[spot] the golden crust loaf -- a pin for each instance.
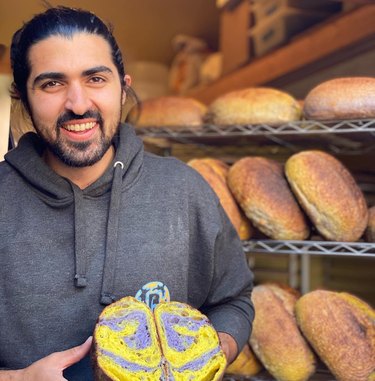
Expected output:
(329, 195)
(341, 329)
(341, 98)
(168, 111)
(245, 364)
(215, 173)
(259, 186)
(253, 106)
(370, 230)
(276, 339)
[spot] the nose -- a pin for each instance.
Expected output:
(77, 99)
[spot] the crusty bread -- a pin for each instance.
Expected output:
(370, 230)
(253, 106)
(168, 111)
(215, 173)
(276, 339)
(175, 342)
(329, 195)
(246, 364)
(341, 98)
(341, 329)
(259, 186)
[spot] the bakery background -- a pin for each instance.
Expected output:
(202, 49)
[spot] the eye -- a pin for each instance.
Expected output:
(97, 80)
(50, 84)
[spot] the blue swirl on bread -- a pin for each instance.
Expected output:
(175, 343)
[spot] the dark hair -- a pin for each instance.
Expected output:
(61, 21)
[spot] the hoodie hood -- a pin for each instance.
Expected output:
(59, 192)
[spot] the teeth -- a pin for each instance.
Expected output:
(80, 127)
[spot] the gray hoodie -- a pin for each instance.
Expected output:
(65, 252)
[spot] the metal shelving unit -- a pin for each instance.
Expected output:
(356, 249)
(320, 375)
(302, 128)
(338, 136)
(359, 138)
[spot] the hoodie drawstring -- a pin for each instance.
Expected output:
(80, 250)
(107, 296)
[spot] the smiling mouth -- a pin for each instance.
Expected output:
(79, 127)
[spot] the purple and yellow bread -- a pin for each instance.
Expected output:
(175, 342)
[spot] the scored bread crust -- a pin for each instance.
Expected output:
(341, 329)
(370, 229)
(215, 173)
(276, 339)
(253, 106)
(132, 343)
(341, 98)
(259, 186)
(168, 111)
(329, 195)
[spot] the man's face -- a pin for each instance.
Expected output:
(75, 96)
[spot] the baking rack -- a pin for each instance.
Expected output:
(357, 249)
(320, 375)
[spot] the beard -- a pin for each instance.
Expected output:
(79, 154)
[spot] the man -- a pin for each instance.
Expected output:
(88, 217)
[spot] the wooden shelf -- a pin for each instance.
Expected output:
(343, 36)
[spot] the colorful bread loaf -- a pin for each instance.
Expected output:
(176, 342)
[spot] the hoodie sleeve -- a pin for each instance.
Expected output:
(228, 305)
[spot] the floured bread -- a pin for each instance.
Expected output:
(176, 342)
(252, 106)
(260, 188)
(276, 339)
(168, 111)
(215, 173)
(341, 98)
(341, 329)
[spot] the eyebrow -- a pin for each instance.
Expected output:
(60, 76)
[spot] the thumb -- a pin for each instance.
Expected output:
(75, 354)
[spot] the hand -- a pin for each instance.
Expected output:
(228, 346)
(50, 368)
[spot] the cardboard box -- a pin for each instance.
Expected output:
(263, 9)
(234, 36)
(279, 28)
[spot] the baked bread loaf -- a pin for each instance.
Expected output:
(276, 339)
(370, 230)
(259, 186)
(215, 173)
(329, 195)
(341, 329)
(254, 105)
(176, 342)
(168, 111)
(245, 364)
(341, 98)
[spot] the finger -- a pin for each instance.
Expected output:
(73, 355)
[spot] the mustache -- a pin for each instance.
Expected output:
(67, 116)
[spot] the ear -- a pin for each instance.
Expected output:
(128, 82)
